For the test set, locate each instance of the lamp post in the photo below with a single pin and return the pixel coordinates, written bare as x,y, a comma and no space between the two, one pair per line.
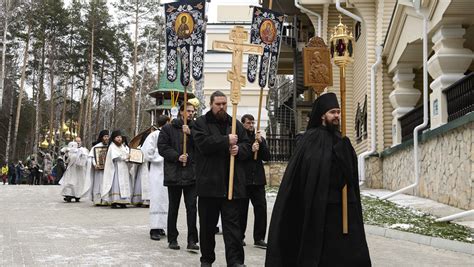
342,54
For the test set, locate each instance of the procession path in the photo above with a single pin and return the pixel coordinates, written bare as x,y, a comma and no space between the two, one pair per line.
38,229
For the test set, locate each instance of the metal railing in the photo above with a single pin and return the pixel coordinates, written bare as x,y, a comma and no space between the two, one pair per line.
410,120
460,97
281,147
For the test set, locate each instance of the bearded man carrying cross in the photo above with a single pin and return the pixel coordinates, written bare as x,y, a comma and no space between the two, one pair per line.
214,144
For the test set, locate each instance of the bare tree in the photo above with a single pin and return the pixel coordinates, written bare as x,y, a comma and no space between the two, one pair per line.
20,97
88,116
6,11
135,52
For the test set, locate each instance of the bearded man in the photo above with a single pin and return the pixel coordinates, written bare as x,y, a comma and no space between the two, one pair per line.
95,172
214,144
309,201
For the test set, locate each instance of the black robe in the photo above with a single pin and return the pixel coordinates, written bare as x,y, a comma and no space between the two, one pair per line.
306,227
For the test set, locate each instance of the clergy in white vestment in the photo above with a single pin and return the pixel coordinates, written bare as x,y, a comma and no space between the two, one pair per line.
94,171
116,188
141,187
74,182
158,192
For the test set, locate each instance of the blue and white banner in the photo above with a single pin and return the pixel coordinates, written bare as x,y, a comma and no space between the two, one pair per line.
185,35
266,29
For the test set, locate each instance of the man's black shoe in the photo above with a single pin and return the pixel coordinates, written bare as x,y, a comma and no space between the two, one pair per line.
193,246
238,265
155,236
161,232
174,245
260,244
206,264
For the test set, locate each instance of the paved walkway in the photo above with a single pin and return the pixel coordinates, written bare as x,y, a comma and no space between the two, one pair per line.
38,229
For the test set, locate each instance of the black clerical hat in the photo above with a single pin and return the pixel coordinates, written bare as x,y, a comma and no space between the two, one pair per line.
321,105
102,134
115,134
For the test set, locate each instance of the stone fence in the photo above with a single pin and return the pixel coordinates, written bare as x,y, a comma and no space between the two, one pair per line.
447,165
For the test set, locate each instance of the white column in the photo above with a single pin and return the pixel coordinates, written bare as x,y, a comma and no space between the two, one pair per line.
403,98
446,66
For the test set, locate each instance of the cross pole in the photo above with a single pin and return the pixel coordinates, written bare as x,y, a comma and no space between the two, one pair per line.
185,121
260,99
238,35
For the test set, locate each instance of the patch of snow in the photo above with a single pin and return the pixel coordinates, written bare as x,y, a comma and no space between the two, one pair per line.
403,226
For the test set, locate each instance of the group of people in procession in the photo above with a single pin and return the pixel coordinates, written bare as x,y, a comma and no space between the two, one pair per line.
34,173
191,159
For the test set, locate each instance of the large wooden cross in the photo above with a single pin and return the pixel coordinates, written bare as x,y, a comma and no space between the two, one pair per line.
238,35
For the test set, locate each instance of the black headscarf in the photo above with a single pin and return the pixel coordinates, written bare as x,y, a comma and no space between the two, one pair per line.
101,135
321,105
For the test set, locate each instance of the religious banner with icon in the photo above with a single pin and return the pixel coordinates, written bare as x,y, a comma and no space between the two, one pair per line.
266,29
185,30
317,65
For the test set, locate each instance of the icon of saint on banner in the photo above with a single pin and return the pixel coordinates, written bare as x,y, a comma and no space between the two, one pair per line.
184,25
268,31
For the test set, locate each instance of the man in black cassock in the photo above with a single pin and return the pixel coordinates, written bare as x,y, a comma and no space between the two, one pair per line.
306,224
214,144
255,184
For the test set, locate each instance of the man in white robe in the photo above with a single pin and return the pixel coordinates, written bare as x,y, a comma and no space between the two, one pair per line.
95,173
74,181
141,187
158,192
116,188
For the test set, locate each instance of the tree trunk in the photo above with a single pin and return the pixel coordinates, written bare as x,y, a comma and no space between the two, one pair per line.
159,61
79,128
70,104
51,101
10,120
88,117
38,99
132,125
63,113
20,97
4,48
97,118
115,95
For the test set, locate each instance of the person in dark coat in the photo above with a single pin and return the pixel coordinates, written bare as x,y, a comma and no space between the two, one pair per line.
20,169
179,175
255,184
11,173
214,144
60,168
306,224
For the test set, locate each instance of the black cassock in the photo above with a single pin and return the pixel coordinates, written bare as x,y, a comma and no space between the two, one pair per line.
306,224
